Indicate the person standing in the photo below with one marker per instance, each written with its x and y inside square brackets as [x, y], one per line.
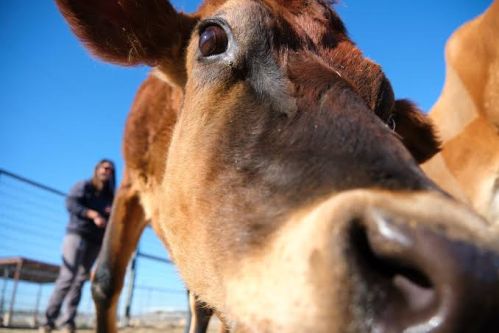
[89, 205]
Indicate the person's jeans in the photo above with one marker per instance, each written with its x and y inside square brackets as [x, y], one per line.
[78, 256]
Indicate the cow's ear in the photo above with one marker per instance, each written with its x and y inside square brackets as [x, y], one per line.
[415, 129]
[130, 32]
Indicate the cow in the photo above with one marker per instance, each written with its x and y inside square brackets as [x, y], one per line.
[467, 116]
[282, 175]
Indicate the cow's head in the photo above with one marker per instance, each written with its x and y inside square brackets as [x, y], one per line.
[292, 200]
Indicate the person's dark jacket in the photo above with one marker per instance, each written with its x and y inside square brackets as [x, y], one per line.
[84, 196]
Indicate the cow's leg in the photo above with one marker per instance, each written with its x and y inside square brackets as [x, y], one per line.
[199, 316]
[123, 232]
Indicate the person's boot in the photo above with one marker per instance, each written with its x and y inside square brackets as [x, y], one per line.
[68, 329]
[45, 328]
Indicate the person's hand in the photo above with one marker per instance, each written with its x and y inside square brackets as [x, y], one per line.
[100, 221]
[92, 214]
[97, 218]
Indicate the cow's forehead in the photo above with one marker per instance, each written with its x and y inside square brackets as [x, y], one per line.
[299, 10]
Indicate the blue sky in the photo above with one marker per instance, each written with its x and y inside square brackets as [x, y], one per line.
[61, 110]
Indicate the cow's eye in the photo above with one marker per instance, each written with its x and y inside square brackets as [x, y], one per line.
[212, 40]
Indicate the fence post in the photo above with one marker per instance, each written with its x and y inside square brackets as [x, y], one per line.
[132, 273]
[17, 276]
[37, 305]
[2, 298]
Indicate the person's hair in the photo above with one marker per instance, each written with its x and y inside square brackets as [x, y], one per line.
[110, 185]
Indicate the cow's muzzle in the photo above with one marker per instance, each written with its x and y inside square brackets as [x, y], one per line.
[373, 261]
[421, 277]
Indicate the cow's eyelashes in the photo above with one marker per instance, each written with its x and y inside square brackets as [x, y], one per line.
[213, 40]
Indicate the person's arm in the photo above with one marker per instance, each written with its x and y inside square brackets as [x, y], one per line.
[75, 206]
[74, 200]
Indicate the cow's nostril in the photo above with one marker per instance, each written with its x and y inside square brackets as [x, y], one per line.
[413, 279]
[396, 293]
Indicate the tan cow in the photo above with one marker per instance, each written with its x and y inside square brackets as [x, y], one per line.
[467, 116]
[285, 199]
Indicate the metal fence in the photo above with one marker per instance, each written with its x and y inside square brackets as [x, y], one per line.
[32, 225]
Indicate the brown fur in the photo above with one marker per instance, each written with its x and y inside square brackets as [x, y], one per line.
[334, 46]
[416, 132]
[149, 128]
[119, 33]
[279, 187]
[467, 116]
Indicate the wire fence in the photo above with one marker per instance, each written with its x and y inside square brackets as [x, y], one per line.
[32, 225]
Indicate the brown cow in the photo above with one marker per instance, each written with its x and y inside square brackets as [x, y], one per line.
[467, 116]
[285, 199]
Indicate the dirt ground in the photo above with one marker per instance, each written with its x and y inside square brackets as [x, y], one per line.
[212, 329]
[125, 330]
